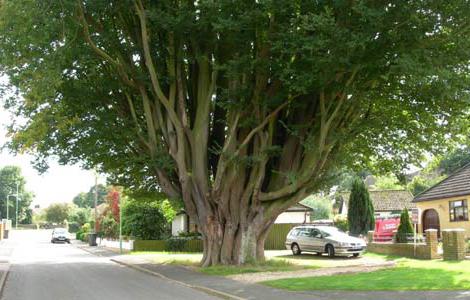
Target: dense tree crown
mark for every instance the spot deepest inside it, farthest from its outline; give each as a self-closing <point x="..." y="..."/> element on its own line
<point x="88" y="199"/>
<point x="10" y="176"/>
<point x="240" y="108"/>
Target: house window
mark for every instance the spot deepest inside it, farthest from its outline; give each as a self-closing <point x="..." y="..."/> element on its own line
<point x="458" y="210"/>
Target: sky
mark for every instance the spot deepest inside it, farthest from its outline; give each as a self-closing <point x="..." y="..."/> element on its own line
<point x="58" y="184"/>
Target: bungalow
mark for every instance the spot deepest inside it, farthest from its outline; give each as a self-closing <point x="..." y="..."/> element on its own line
<point x="386" y="203"/>
<point x="445" y="205"/>
<point x="297" y="214"/>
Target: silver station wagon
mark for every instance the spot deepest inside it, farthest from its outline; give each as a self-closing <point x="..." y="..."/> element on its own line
<point x="323" y="239"/>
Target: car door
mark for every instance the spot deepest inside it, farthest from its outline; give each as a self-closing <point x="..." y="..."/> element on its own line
<point x="303" y="239"/>
<point x="316" y="240"/>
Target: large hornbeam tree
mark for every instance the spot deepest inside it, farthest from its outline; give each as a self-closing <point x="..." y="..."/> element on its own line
<point x="239" y="108"/>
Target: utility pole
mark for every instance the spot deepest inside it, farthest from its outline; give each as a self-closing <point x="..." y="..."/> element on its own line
<point x="96" y="200"/>
<point x="120" y="223"/>
<point x="16" y="219"/>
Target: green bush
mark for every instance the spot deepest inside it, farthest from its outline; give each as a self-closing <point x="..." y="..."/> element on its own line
<point x="109" y="227"/>
<point x="82" y="234"/>
<point x="405" y="228"/>
<point x="341" y="223"/>
<point x="175" y="244"/>
<point x="191" y="234"/>
<point x="143" y="220"/>
<point x="74" y="227"/>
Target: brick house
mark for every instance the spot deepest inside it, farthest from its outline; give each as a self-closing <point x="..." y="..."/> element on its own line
<point x="445" y="205"/>
<point x="386" y="203"/>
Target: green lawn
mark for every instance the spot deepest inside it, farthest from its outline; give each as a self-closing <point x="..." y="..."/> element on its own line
<point x="409" y="274"/>
<point x="193" y="259"/>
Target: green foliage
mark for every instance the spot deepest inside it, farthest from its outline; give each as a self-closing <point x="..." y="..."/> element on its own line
<point x="109" y="227"/>
<point x="322" y="207"/>
<point x="82" y="234"/>
<point x="341" y="223"/>
<point x="80" y="215"/>
<point x="74" y="227"/>
<point x="175" y="244"/>
<point x="144" y="220"/>
<point x="421" y="183"/>
<point x="9" y="177"/>
<point x="387" y="182"/>
<point x="360" y="209"/>
<point x="198" y="100"/>
<point x="85" y="200"/>
<point x="454" y="160"/>
<point x="58" y="212"/>
<point x="405" y="229"/>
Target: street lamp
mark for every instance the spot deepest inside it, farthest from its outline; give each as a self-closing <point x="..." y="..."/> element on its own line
<point x="17" y="199"/>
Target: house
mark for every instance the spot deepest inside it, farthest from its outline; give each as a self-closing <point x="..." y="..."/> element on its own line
<point x="386" y="203"/>
<point x="296" y="214"/>
<point x="445" y="205"/>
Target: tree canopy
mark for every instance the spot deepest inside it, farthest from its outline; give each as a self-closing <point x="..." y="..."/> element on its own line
<point x="58" y="212"/>
<point x="239" y="108"/>
<point x="10" y="176"/>
<point x="88" y="199"/>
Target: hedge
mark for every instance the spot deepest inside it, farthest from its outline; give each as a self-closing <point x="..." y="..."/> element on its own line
<point x="168" y="245"/>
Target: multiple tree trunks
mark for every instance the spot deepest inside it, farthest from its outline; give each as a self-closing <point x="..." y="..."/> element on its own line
<point x="239" y="108"/>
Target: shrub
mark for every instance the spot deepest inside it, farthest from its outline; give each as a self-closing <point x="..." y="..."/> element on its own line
<point x="175" y="244"/>
<point x="191" y="234"/>
<point x="360" y="209"/>
<point x="405" y="228"/>
<point x="143" y="220"/>
<point x="109" y="227"/>
<point x="341" y="223"/>
<point x="74" y="227"/>
<point x="82" y="234"/>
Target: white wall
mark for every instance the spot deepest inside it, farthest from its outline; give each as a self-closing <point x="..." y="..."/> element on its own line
<point x="294" y="217"/>
<point x="178" y="224"/>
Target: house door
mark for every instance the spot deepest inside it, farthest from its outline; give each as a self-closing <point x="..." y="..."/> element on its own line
<point x="431" y="220"/>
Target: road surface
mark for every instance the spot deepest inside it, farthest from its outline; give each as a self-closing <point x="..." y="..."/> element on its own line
<point x="41" y="270"/>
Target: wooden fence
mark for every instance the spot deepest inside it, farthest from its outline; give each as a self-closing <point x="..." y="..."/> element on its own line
<point x="274" y="241"/>
<point x="277" y="236"/>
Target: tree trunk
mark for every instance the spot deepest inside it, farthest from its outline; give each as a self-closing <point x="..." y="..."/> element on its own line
<point x="227" y="243"/>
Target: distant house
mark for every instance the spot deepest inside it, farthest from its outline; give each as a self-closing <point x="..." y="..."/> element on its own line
<point x="296" y="214"/>
<point x="386" y="203"/>
<point x="445" y="205"/>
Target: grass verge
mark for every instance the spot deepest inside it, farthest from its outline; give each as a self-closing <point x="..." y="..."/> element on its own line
<point x="193" y="259"/>
<point x="409" y="274"/>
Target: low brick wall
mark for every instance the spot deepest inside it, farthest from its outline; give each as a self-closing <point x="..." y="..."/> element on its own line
<point x="406" y="250"/>
<point x="426" y="250"/>
<point x="453" y="244"/>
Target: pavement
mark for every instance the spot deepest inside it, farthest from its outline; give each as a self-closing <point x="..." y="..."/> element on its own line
<point x="41" y="270"/>
<point x="243" y="290"/>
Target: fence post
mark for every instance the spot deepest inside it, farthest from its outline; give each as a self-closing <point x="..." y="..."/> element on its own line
<point x="370" y="236"/>
<point x="432" y="243"/>
<point x="453" y="243"/>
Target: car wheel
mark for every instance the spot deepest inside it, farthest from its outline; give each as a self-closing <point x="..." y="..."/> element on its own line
<point x="356" y="254"/>
<point x="53" y="241"/>
<point x="68" y="241"/>
<point x="330" y="250"/>
<point x="295" y="249"/>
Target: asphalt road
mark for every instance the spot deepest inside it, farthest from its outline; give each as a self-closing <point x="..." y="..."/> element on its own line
<point x="41" y="270"/>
